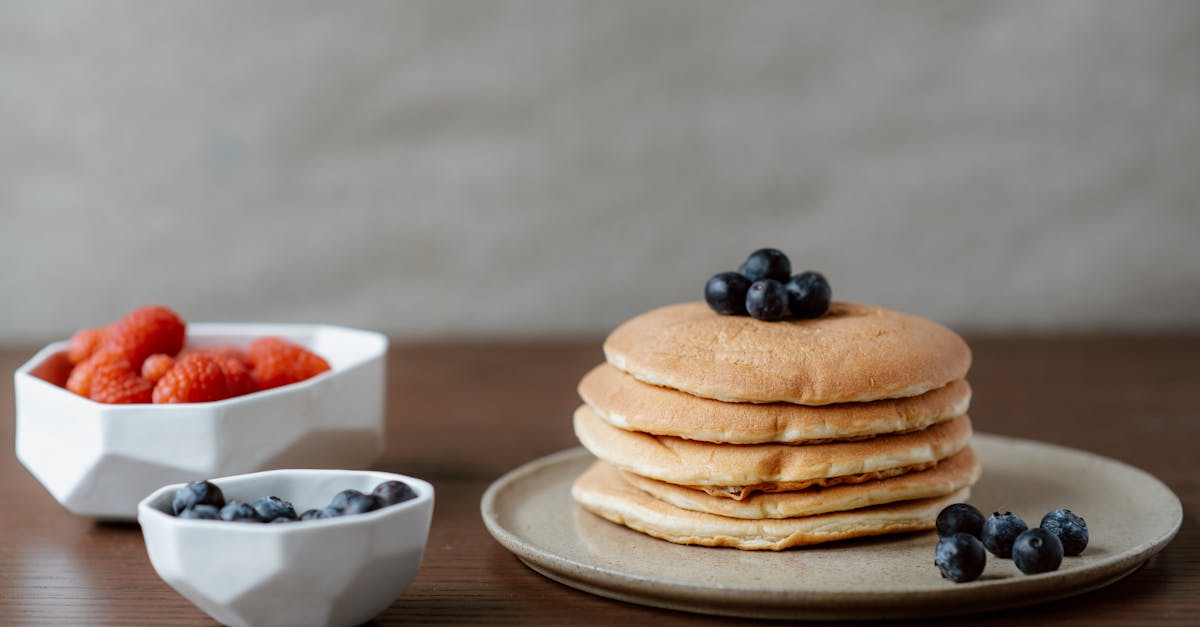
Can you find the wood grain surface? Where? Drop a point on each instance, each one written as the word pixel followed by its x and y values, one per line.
pixel 461 414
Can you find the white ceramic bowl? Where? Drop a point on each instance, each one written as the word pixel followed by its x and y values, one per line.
pixel 100 460
pixel 331 572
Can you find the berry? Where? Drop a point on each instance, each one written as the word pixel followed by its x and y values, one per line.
pixel 342 498
pixel 362 504
pixel 84 343
pixel 960 557
pixel 80 381
pixel 725 293
pixel 1070 529
pixel 156 366
pixel 237 374
pixel 393 492
pixel 201 512
pixel 115 381
pixel 282 519
pixel 237 511
pixel 311 514
pixel 272 508
pixel 197 493
pixel 999 531
pixel 767 300
pixel 146 331
pixel 766 263
pixel 808 295
pixel 195 378
pixel 328 512
pixel 960 518
pixel 1037 551
pixel 279 362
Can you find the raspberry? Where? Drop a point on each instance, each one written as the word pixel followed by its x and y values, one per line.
pixel 195 378
pixel 146 331
pixel 279 362
pixel 80 381
pixel 241 381
pixel 156 366
pixel 115 381
pixel 84 343
pixel 234 352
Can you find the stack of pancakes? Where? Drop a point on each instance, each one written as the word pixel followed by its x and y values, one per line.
pixel 729 431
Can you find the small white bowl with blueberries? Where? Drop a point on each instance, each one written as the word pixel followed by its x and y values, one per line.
pixel 289 547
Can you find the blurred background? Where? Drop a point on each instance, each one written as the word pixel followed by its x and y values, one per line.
pixel 485 169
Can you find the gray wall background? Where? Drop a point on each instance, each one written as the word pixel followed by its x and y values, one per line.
pixel 485 168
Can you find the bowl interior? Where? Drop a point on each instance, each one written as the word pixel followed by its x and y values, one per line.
pixel 304 489
pixel 342 347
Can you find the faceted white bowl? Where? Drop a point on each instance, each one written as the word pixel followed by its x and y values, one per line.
pixel 100 460
pixel 329 572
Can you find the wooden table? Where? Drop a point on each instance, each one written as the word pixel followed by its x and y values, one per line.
pixel 461 414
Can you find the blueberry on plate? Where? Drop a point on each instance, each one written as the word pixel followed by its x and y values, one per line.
pixel 808 295
pixel 1071 530
pixel 341 498
pixel 363 503
pixel 725 293
pixel 237 511
pixel 393 492
pixel 201 512
pixel 1037 551
pixel 282 519
pixel 272 507
pixel 999 532
pixel 197 493
pixel 960 557
pixel 766 263
pixel 960 518
pixel 767 300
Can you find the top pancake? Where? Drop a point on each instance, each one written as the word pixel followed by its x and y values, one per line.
pixel 853 353
pixel 630 404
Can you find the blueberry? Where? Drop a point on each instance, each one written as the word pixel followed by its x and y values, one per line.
pixel 999 531
pixel 808 295
pixel 341 498
pixel 960 518
pixel 960 557
pixel 1037 551
pixel 282 519
pixel 1071 530
pixel 197 493
pixel 272 507
pixel 331 512
pixel 201 512
pixel 766 263
pixel 316 514
pixel 725 293
pixel 363 503
pixel 767 300
pixel 237 511
pixel 393 492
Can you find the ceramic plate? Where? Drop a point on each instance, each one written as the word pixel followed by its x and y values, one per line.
pixel 1131 516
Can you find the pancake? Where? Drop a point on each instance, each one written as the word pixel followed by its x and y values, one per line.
pixel 950 475
pixel 602 491
pixel 854 353
pixel 625 402
pixel 738 470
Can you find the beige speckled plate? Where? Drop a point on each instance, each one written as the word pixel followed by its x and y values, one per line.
pixel 1131 516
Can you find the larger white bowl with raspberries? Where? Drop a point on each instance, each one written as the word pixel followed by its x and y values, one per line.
pixel 99 459
pixel 328 572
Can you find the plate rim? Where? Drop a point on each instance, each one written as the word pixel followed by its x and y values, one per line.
pixel 849 604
